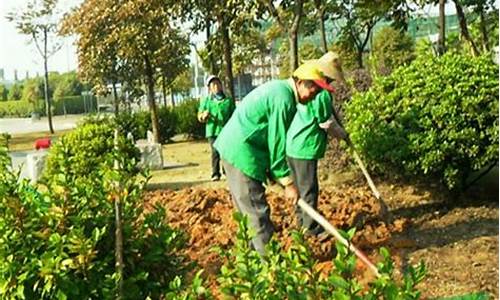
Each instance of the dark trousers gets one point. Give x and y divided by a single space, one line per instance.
249 198
305 177
215 158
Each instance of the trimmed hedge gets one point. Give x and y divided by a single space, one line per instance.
23 108
16 109
180 119
437 117
74 105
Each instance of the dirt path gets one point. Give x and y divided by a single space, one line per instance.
457 237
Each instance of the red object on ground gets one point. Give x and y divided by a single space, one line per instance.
42 143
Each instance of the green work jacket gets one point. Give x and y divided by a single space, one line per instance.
254 139
305 138
220 112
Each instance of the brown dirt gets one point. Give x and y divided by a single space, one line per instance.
456 236
206 215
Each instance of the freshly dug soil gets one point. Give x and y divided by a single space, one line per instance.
206 216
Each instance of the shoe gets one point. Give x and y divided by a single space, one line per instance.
215 178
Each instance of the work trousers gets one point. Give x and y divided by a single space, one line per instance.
249 198
305 177
215 158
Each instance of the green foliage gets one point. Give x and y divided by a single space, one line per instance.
33 90
4 92
83 151
15 92
391 48
18 109
347 52
180 119
59 244
292 273
472 296
140 122
187 123
68 85
73 105
136 124
4 140
437 117
307 50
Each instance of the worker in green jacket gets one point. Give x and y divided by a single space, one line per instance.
215 110
252 144
307 139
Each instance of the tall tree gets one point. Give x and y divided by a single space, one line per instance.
325 10
288 14
442 28
39 20
98 62
224 14
464 30
129 40
360 19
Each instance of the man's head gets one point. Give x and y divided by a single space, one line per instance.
214 85
309 81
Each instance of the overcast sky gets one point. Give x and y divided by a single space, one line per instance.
17 53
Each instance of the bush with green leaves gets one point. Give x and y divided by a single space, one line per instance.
187 123
392 48
19 109
73 105
436 118
59 243
81 152
292 273
138 123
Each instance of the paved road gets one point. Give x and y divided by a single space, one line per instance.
25 125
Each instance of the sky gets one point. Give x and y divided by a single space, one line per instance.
17 53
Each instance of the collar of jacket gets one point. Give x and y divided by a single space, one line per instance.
291 82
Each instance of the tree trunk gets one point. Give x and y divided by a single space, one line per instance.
226 42
151 98
172 99
293 36
321 17
484 30
48 105
464 31
116 101
213 67
442 29
118 229
164 90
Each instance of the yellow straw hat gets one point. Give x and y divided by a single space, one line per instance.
329 64
311 71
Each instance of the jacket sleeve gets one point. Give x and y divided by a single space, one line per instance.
280 117
202 107
323 106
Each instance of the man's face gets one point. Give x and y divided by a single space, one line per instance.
306 91
215 86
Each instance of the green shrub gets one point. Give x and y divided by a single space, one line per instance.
391 48
437 117
139 123
18 109
167 120
73 105
187 123
60 244
81 152
292 273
